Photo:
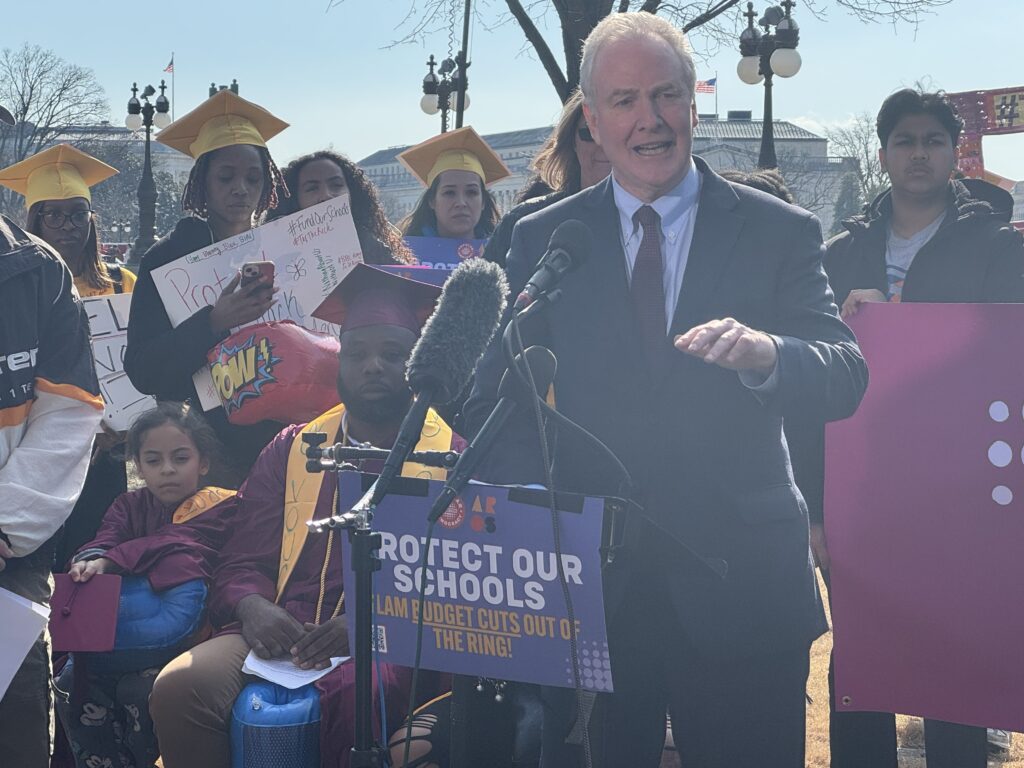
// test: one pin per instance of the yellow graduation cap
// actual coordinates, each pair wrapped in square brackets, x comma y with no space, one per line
[58,173]
[223,120]
[459,150]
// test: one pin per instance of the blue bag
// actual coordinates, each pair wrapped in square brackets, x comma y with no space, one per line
[152,627]
[274,727]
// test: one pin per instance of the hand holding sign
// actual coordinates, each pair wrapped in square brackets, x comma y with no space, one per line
[241,305]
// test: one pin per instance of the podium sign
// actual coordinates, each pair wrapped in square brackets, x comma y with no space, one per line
[494,606]
[444,252]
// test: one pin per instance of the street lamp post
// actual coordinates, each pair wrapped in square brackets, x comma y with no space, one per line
[765,55]
[450,80]
[121,230]
[143,114]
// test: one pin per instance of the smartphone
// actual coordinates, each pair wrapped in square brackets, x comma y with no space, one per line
[252,271]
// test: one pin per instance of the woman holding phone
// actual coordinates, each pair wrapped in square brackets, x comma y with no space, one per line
[233,183]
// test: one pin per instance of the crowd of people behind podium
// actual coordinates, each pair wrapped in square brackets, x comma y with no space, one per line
[67,506]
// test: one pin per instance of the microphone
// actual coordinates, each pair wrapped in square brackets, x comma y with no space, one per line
[568,247]
[442,362]
[512,392]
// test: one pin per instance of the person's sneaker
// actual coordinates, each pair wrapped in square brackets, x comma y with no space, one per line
[999,742]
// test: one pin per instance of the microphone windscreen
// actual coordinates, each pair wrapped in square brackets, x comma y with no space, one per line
[573,237]
[457,334]
[542,365]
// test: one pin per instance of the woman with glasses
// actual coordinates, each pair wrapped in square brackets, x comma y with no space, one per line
[569,161]
[56,184]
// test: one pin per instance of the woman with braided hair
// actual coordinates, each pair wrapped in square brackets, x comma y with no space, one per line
[233,183]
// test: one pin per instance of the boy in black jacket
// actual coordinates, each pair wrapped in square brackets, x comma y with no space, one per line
[928,239]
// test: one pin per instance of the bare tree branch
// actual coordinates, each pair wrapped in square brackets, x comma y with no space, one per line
[714,23]
[47,96]
[544,53]
[858,140]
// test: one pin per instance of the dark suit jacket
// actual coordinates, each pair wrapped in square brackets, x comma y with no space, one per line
[708,457]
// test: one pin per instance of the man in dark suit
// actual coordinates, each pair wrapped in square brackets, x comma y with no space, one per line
[701,318]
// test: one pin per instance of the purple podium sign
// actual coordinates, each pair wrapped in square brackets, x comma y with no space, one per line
[444,252]
[494,606]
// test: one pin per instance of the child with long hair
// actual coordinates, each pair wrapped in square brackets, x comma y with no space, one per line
[105,713]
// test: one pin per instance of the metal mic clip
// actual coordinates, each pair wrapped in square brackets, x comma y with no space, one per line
[317,458]
[347,520]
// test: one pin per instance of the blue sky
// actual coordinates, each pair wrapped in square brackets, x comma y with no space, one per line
[330,74]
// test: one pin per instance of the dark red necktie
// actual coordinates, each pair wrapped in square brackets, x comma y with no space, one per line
[646,286]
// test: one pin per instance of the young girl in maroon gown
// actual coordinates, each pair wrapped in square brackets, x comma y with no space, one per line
[106,715]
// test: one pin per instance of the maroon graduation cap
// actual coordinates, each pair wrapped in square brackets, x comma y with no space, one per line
[83,615]
[371,296]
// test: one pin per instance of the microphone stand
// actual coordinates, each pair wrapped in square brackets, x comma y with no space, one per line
[366,752]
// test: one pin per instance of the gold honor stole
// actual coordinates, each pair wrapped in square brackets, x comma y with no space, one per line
[302,488]
[199,502]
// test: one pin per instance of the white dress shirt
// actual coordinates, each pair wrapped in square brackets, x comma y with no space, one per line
[678,211]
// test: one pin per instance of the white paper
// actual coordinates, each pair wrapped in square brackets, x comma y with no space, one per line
[123,402]
[108,315]
[284,672]
[108,323]
[206,389]
[21,623]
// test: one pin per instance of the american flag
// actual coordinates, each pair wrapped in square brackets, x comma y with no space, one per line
[707,86]
[170,67]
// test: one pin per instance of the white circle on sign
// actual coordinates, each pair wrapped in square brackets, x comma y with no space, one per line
[999,411]
[1002,495]
[1000,453]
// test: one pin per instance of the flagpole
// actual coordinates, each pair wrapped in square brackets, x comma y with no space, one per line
[716,91]
[174,100]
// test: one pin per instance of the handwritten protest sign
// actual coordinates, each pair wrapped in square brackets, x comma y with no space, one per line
[108,328]
[493,605]
[312,251]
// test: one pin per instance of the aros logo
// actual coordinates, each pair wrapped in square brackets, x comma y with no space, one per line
[241,372]
[1001,452]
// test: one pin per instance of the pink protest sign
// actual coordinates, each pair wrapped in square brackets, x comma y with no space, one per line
[924,511]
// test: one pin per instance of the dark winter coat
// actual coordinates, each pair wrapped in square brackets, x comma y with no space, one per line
[975,256]
[160,360]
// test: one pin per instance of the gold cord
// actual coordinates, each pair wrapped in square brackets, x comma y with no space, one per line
[323,576]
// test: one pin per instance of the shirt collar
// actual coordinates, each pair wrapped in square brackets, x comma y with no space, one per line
[673,206]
